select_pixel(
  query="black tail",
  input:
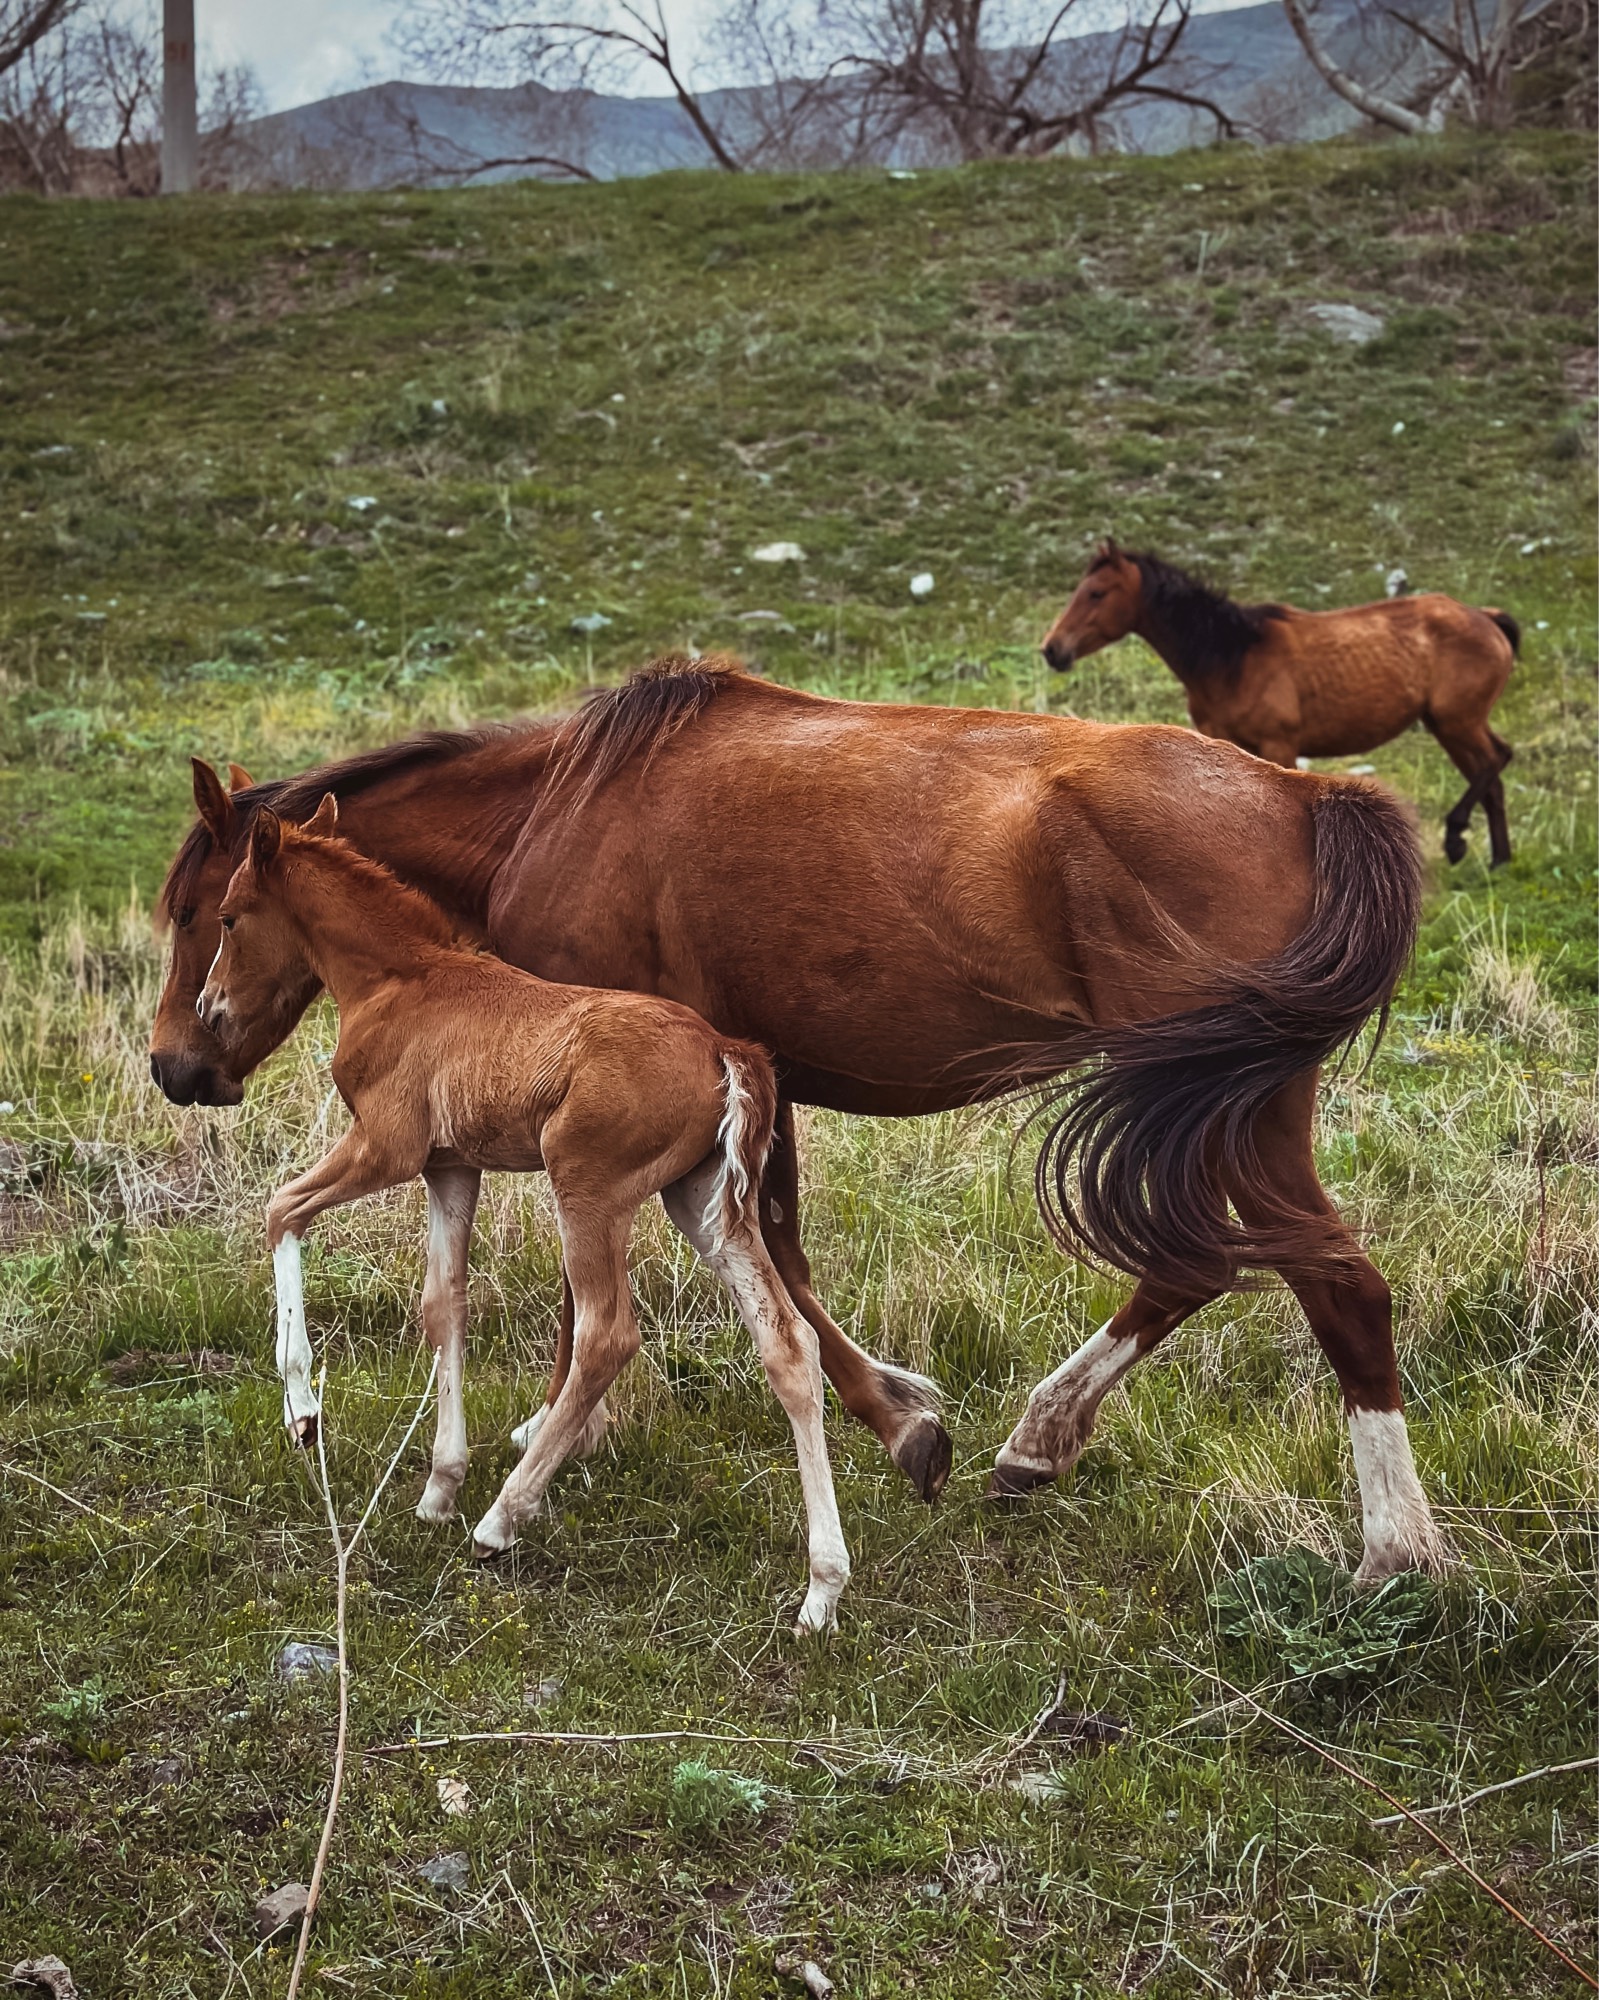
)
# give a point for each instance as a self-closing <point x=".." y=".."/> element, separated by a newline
<point x="1138" y="1164"/>
<point x="1510" y="628"/>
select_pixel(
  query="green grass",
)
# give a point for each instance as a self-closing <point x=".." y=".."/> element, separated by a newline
<point x="976" y="373"/>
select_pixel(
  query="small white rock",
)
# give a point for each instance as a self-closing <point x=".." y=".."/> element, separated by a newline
<point x="440" y="407"/>
<point x="922" y="583"/>
<point x="1301" y="763"/>
<point x="1363" y="770"/>
<point x="1399" y="427"/>
<point x="591" y="621"/>
<point x="1396" y="583"/>
<point x="7" y="1108"/>
<point x="776" y="552"/>
<point x="454" y="1797"/>
<point x="361" y="502"/>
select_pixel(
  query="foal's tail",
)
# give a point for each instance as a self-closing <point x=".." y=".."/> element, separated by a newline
<point x="744" y="1138"/>
<point x="1149" y="1144"/>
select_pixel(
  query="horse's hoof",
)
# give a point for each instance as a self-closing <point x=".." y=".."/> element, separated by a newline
<point x="925" y="1454"/>
<point x="1014" y="1479"/>
<point x="1454" y="847"/>
<point x="436" y="1506"/>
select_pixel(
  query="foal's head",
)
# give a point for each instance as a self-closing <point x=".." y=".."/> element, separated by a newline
<point x="261" y="980"/>
<point x="1104" y="608"/>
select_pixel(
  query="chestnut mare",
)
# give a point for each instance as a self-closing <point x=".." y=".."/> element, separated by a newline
<point x="1288" y="684"/>
<point x="915" y="908"/>
<point x="451" y="1062"/>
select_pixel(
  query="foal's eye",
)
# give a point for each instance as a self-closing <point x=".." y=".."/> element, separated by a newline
<point x="229" y="922"/>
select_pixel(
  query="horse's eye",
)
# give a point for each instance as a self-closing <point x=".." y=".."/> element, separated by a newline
<point x="229" y="922"/>
<point x="185" y="916"/>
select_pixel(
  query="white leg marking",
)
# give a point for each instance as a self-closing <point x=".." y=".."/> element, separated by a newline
<point x="1399" y="1530"/>
<point x="787" y="1345"/>
<point x="589" y="1439"/>
<point x="452" y="1204"/>
<point x="1061" y="1410"/>
<point x="300" y="1407"/>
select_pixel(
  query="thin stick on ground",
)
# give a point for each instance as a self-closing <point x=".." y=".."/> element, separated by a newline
<point x="342" y="1552"/>
<point x="1488" y="1791"/>
<point x="1403" y="1812"/>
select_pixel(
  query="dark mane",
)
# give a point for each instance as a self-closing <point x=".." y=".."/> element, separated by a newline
<point x="1199" y="631"/>
<point x="297" y="798"/>
<point x="633" y="720"/>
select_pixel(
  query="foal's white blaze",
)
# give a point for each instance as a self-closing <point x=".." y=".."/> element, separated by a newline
<point x="300" y="1406"/>
<point x="1060" y="1411"/>
<point x="1399" y="1529"/>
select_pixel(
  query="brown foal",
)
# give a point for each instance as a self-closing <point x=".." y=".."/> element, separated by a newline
<point x="451" y="1063"/>
<point x="915" y="908"/>
<point x="1287" y="684"/>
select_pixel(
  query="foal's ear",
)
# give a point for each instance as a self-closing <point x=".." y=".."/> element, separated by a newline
<point x="266" y="837"/>
<point x="325" y="820"/>
<point x="239" y="779"/>
<point x="212" y="803"/>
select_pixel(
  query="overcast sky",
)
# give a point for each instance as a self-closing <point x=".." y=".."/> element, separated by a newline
<point x="305" y="49"/>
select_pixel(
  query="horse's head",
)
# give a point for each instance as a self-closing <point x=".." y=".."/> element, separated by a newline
<point x="188" y="1060"/>
<point x="1103" y="609"/>
<point x="261" y="979"/>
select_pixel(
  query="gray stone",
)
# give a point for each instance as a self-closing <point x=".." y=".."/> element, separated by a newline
<point x="447" y="1871"/>
<point x="51" y="1974"/>
<point x="283" y="1907"/>
<point x="299" y="1659"/>
<point x="1351" y="323"/>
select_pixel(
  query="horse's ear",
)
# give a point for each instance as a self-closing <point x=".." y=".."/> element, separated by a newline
<point x="266" y="837"/>
<point x="239" y="779"/>
<point x="1108" y="551"/>
<point x="324" y="822"/>
<point x="212" y="803"/>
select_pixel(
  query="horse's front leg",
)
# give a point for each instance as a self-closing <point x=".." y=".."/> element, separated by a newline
<point x="452" y="1206"/>
<point x="900" y="1407"/>
<point x="351" y="1169"/>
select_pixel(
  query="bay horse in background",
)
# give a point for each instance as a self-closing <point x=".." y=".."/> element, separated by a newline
<point x="451" y="1062"/>
<point x="1287" y="684"/>
<point x="915" y="908"/>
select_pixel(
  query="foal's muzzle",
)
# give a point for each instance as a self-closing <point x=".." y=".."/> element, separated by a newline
<point x="184" y="1081"/>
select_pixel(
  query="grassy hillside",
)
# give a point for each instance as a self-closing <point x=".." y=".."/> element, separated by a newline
<point x="283" y="477"/>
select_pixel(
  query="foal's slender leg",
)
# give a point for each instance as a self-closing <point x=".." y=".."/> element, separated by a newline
<point x="605" y="1338"/>
<point x="452" y="1205"/>
<point x="593" y="1433"/>
<point x="900" y="1407"/>
<point x="351" y="1168"/>
<point x="788" y="1347"/>
<point x="1351" y="1315"/>
<point x="1061" y="1410"/>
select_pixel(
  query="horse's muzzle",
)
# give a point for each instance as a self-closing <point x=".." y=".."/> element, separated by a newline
<point x="1058" y="655"/>
<point x="185" y="1081"/>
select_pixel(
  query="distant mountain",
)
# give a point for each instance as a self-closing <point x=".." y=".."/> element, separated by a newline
<point x="434" y="134"/>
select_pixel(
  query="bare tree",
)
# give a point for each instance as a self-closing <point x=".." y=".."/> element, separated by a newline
<point x="1016" y="77"/>
<point x="26" y="23"/>
<point x="468" y="40"/>
<point x="1457" y="63"/>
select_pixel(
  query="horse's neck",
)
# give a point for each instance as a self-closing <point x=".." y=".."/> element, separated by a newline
<point x="360" y="933"/>
<point x="1161" y="636"/>
<point x="447" y="828"/>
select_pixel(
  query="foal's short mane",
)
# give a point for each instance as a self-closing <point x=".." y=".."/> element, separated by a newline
<point x="619" y="724"/>
<point x="418" y="910"/>
<point x="1202" y="629"/>
<point x="297" y="798"/>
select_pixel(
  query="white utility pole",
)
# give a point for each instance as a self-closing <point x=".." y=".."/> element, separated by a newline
<point x="180" y="141"/>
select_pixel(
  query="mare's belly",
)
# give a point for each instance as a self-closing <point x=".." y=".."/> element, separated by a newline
<point x="489" y="1156"/>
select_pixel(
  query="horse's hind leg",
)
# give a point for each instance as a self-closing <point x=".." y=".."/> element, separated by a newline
<point x="1471" y="748"/>
<point x="1351" y="1315"/>
<point x="1061" y="1410"/>
<point x="605" y="1338"/>
<point x="593" y="1433"/>
<point x="452" y="1206"/>
<point x="1493" y="801"/>
<point x="788" y="1348"/>
<point x="900" y="1407"/>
